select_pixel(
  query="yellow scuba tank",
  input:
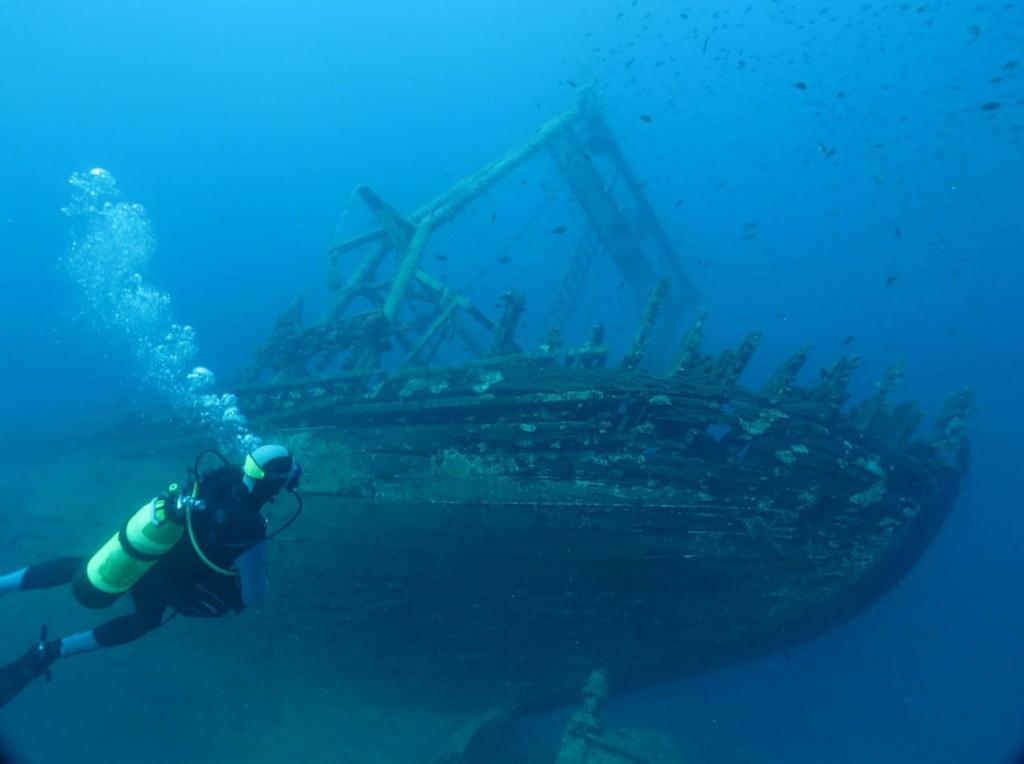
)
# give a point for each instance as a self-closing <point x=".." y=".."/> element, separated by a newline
<point x="146" y="537"/>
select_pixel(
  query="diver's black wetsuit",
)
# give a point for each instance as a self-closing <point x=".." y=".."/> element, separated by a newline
<point x="229" y="527"/>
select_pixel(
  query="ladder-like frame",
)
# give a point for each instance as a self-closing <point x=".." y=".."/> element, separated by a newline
<point x="577" y="141"/>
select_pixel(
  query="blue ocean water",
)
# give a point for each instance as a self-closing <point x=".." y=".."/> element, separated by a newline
<point x="827" y="171"/>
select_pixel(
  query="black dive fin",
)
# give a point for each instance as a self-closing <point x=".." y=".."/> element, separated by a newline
<point x="36" y="662"/>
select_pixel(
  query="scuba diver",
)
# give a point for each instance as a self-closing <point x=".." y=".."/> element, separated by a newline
<point x="198" y="550"/>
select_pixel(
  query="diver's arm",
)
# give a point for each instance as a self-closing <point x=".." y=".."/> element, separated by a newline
<point x="252" y="574"/>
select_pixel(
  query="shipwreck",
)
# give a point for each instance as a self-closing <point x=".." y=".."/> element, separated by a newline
<point x="493" y="517"/>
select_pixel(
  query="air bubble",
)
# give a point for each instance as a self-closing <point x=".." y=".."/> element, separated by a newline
<point x="110" y="250"/>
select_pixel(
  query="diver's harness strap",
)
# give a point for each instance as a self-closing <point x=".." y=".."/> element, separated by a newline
<point x="199" y="504"/>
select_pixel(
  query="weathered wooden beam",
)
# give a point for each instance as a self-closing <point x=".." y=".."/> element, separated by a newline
<point x="781" y="382"/>
<point x="366" y="270"/>
<point x="354" y="243"/>
<point x="440" y="290"/>
<point x="603" y="214"/>
<point x="553" y="342"/>
<point x="834" y="379"/>
<point x="367" y="347"/>
<point x="593" y="354"/>
<point x="950" y="425"/>
<point x="730" y="364"/>
<point x="439" y="322"/>
<point x="642" y="338"/>
<point x="275" y="349"/>
<point x="443" y="208"/>
<point x="866" y="415"/>
<point x="407" y="267"/>
<point x="688" y="353"/>
<point x="573" y="278"/>
<point x="292" y="347"/>
<point x="899" y="425"/>
<point x="398" y="230"/>
<point x="471" y="341"/>
<point x="349" y="333"/>
<point x="504" y="337"/>
<point x="603" y="142"/>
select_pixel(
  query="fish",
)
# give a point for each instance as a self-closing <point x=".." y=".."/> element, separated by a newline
<point x="898" y="232"/>
<point x="827" y="152"/>
<point x="705" y="48"/>
<point x="494" y="217"/>
<point x="800" y="85"/>
<point x="848" y="340"/>
<point x="892" y="279"/>
<point x="442" y="258"/>
<point x="749" y="236"/>
<point x="679" y="203"/>
<point x="750" y="226"/>
<point x="571" y="83"/>
<point x="991" y="106"/>
<point x="559" y="230"/>
<point x="504" y="259"/>
<point x="629" y="63"/>
<point x="1010" y="65"/>
<point x="646" y="118"/>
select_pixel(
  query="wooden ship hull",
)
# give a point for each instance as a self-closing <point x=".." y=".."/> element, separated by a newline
<point x="487" y="525"/>
<point x="519" y="523"/>
<point x="524" y="518"/>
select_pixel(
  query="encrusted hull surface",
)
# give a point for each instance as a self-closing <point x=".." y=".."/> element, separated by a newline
<point x="487" y="535"/>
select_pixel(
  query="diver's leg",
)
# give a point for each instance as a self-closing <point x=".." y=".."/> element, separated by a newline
<point x="148" y="615"/>
<point x="119" y="631"/>
<point x="55" y="572"/>
<point x="37" y="660"/>
<point x="11" y="582"/>
<point x="14" y="677"/>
